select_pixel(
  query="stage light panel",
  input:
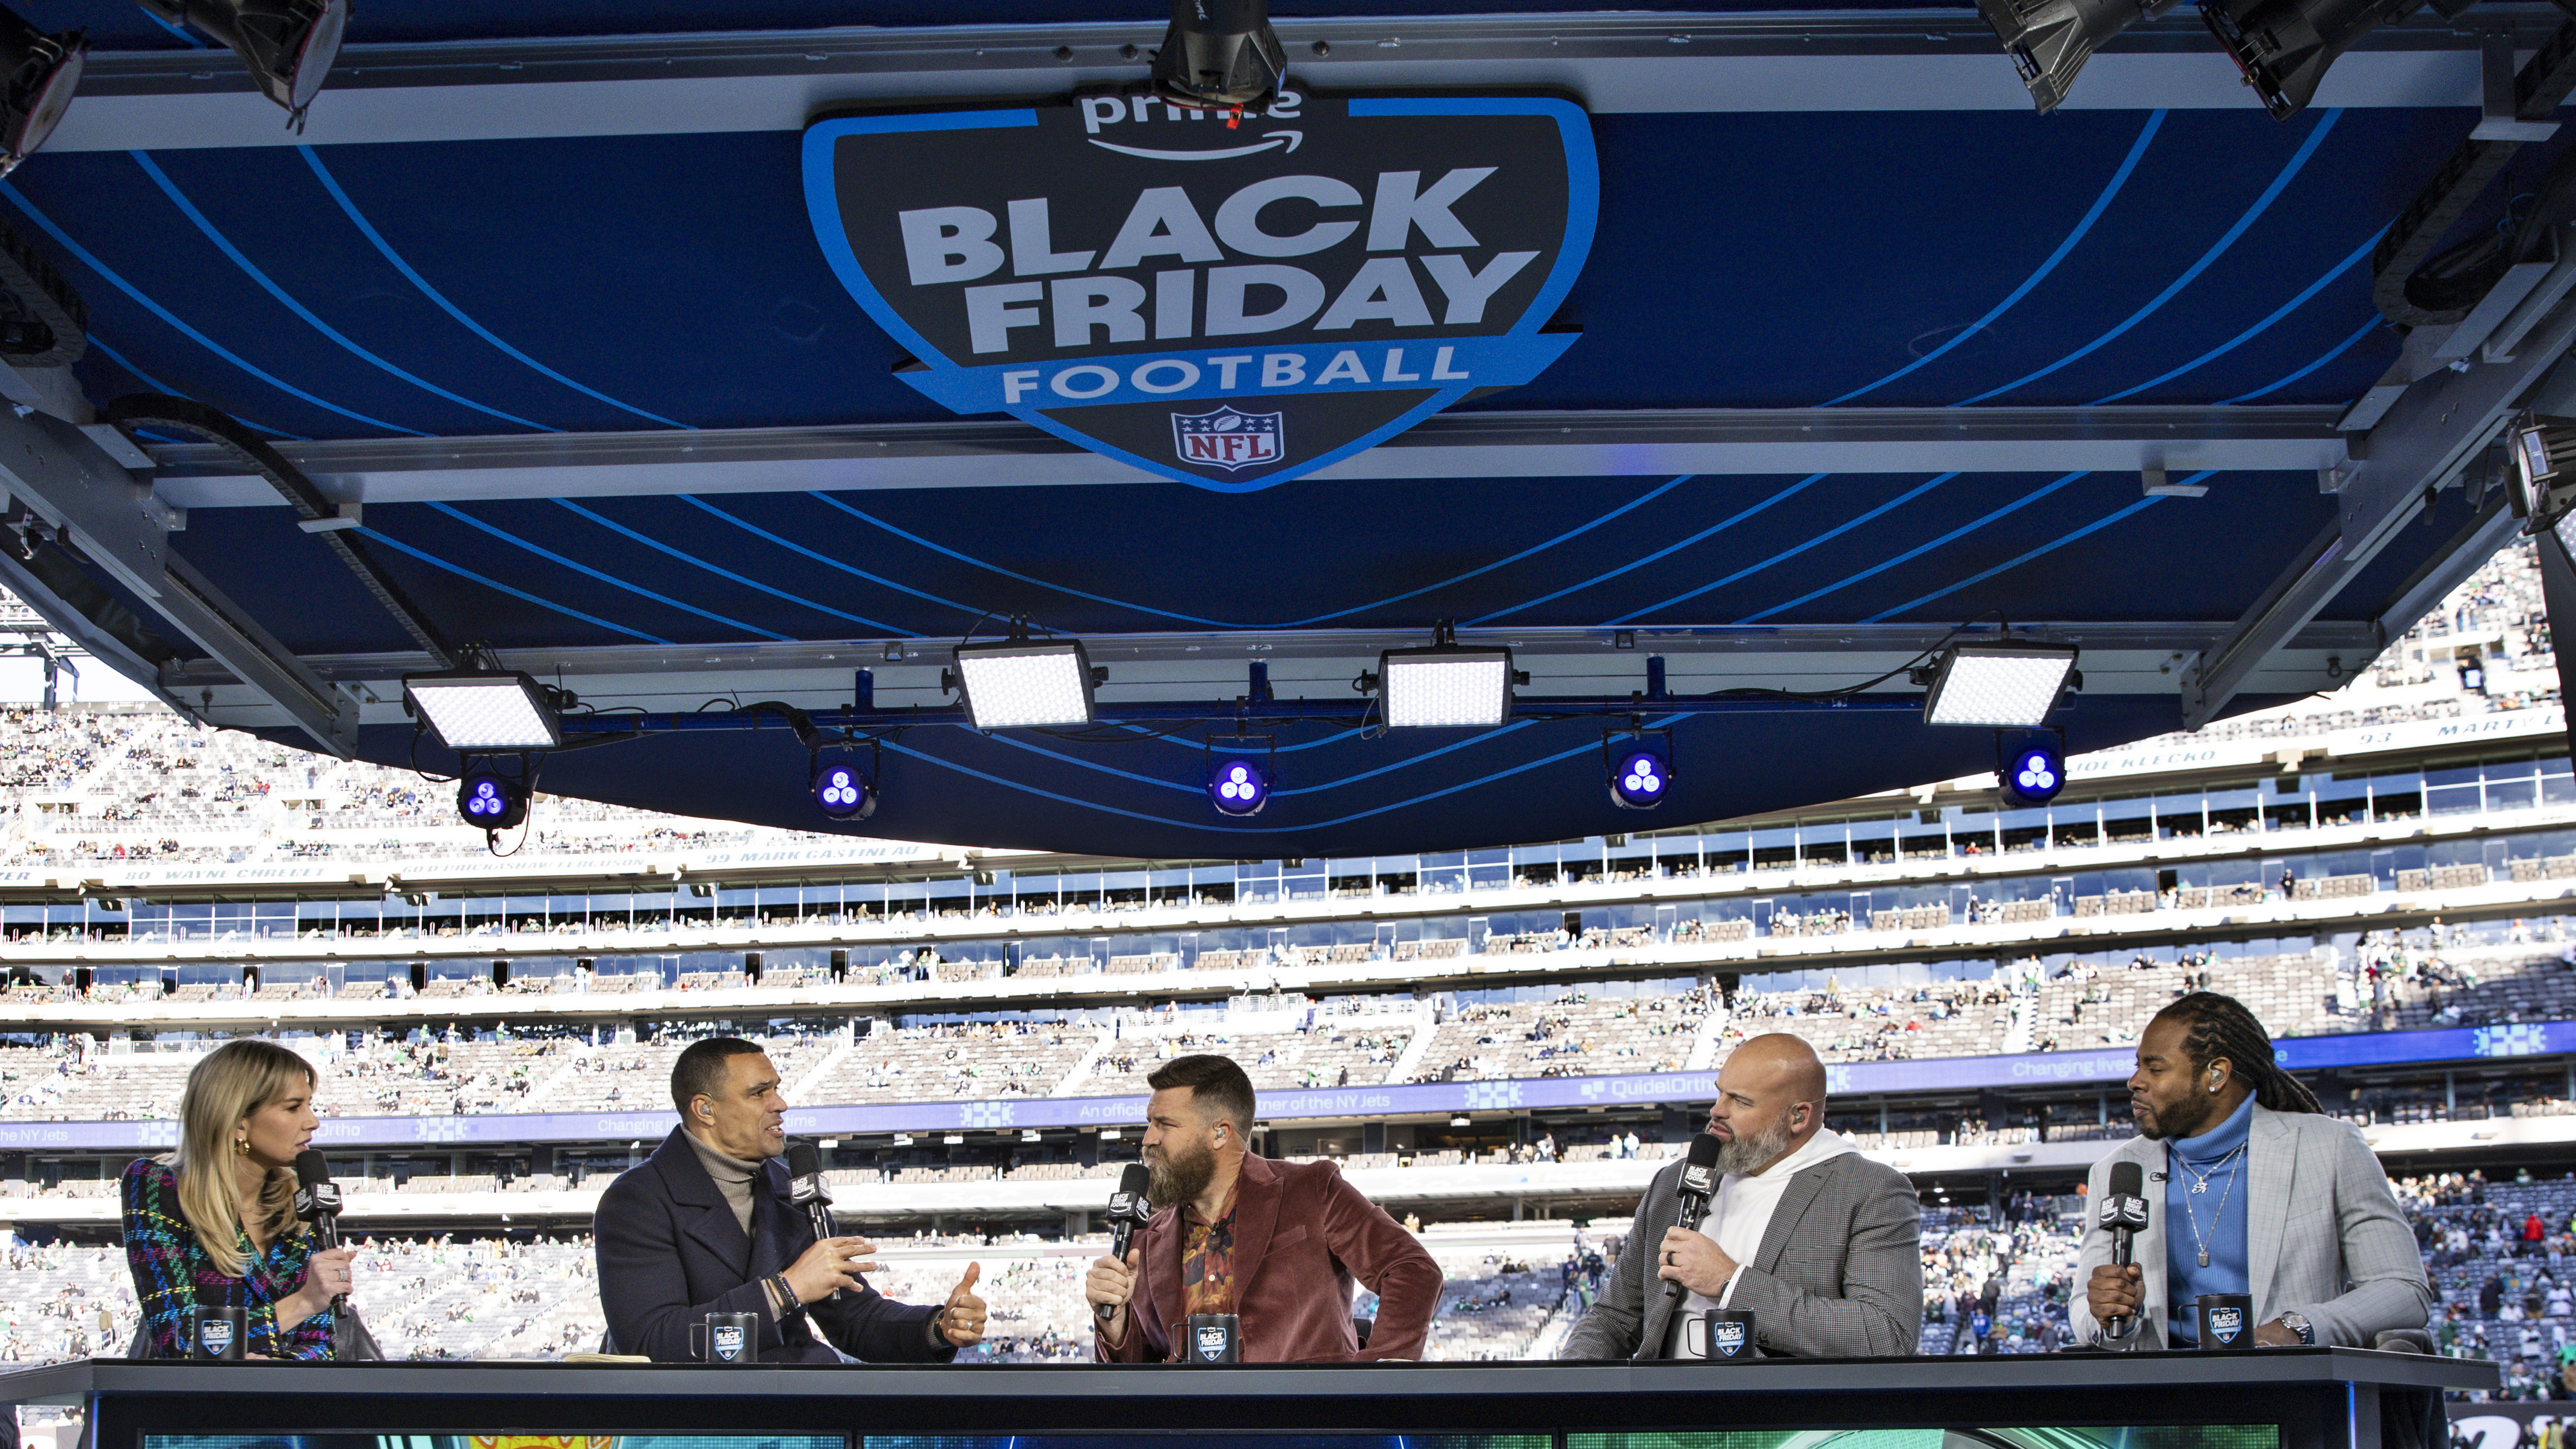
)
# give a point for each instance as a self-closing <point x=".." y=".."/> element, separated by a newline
<point x="1443" y="687"/>
<point x="485" y="710"/>
<point x="1022" y="683"/>
<point x="2003" y="685"/>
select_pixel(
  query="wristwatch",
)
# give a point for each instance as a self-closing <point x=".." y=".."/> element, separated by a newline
<point x="2298" y="1323"/>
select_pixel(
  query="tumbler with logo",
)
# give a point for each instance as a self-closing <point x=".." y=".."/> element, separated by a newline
<point x="221" y="1332"/>
<point x="726" y="1338"/>
<point x="1724" y="1335"/>
<point x="2226" y="1320"/>
<point x="1215" y="1338"/>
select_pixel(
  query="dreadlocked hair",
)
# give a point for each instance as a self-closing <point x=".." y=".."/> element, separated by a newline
<point x="2217" y="1026"/>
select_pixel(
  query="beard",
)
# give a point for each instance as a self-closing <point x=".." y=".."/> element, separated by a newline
<point x="1743" y="1154"/>
<point x="1180" y="1178"/>
<point x="2156" y="1126"/>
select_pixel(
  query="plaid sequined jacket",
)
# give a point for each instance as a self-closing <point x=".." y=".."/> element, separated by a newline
<point x="172" y="1273"/>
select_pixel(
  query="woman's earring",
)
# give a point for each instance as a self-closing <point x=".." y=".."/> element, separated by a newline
<point x="241" y="1147"/>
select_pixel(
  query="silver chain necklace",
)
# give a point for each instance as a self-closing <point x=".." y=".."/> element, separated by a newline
<point x="2202" y="1186"/>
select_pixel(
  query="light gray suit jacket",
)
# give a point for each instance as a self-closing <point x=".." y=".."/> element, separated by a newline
<point x="2325" y="1236"/>
<point x="1840" y="1273"/>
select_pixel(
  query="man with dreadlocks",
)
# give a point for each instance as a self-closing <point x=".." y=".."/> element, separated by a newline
<point x="2253" y="1189"/>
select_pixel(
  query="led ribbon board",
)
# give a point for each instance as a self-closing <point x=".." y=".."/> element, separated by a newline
<point x="1228" y="306"/>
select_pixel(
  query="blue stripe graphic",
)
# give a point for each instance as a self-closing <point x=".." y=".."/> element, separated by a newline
<point x="470" y="521"/>
<point x="657" y="545"/>
<point x="1919" y="549"/>
<point x="522" y="595"/>
<point x="1905" y="497"/>
<point x="108" y="274"/>
<point x="224" y="244"/>
<point x="2014" y="563"/>
<point x="1713" y="529"/>
<point x="2241" y="338"/>
<point x="2307" y="148"/>
<point x="2375" y="323"/>
<point x="2101" y="203"/>
<point x="384" y="248"/>
<point x="157" y="385"/>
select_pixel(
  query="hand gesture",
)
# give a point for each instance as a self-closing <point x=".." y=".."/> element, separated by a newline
<point x="962" y="1321"/>
<point x="1109" y="1285"/>
<point x="829" y="1266"/>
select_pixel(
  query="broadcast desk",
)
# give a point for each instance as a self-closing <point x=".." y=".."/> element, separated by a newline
<point x="2323" y="1398"/>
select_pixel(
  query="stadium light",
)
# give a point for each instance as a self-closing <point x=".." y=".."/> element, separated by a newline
<point x="288" y="44"/>
<point x="1220" y="53"/>
<point x="2049" y="40"/>
<point x="1024" y="683"/>
<point x="843" y="791"/>
<point x="2030" y="766"/>
<point x="2284" y="46"/>
<point x="42" y="73"/>
<point x="2006" y="684"/>
<point x="1640" y="770"/>
<point x="491" y="801"/>
<point x="1444" y="685"/>
<point x="485" y="709"/>
<point x="1238" y="780"/>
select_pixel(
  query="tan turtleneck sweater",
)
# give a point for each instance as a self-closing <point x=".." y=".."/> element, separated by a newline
<point x="733" y="1177"/>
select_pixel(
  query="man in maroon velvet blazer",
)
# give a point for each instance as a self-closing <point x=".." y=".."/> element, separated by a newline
<point x="1275" y="1243"/>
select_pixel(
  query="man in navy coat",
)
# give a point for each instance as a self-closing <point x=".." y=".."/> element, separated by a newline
<point x="705" y="1225"/>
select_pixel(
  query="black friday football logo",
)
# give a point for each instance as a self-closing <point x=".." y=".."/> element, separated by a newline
<point x="1089" y="311"/>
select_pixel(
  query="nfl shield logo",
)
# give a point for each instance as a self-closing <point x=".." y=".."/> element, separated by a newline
<point x="1228" y="439"/>
<point x="2225" y="1323"/>
<point x="1212" y="1343"/>
<point x="215" y="1335"/>
<point x="1726" y="1339"/>
<point x="728" y="1342"/>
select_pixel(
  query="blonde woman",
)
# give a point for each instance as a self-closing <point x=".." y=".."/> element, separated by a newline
<point x="214" y="1224"/>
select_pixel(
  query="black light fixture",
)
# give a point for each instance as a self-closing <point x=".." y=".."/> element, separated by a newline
<point x="2049" y="40"/>
<point x="485" y="709"/>
<point x="2284" y="46"/>
<point x="42" y="72"/>
<point x="2541" y="485"/>
<point x="288" y="44"/>
<point x="1443" y="685"/>
<point x="1220" y="54"/>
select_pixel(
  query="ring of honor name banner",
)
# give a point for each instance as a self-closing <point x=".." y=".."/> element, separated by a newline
<point x="1228" y="299"/>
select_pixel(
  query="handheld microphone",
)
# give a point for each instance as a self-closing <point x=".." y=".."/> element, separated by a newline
<point x="805" y="1188"/>
<point x="1128" y="1211"/>
<point x="2124" y="1212"/>
<point x="1698" y="1184"/>
<point x="317" y="1201"/>
<point x="317" y="1197"/>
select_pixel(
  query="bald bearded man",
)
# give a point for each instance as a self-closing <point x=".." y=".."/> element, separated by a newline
<point x="1822" y="1244"/>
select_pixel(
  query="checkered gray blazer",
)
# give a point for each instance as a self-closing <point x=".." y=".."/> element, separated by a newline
<point x="2325" y="1236"/>
<point x="1840" y="1273"/>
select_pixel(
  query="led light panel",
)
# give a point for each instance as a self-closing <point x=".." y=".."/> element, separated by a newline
<point x="1449" y="687"/>
<point x="1019" y="685"/>
<point x="485" y="711"/>
<point x="2004" y="686"/>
